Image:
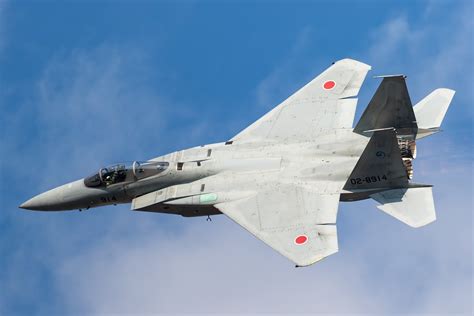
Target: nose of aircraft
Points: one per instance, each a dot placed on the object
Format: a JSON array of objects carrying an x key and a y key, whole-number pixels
[
  {"x": 66, "y": 197},
  {"x": 48, "y": 200}
]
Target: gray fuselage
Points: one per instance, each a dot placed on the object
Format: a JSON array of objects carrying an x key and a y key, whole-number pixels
[{"x": 224, "y": 167}]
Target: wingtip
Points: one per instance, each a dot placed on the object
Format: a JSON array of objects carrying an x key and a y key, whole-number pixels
[
  {"x": 353, "y": 63},
  {"x": 446, "y": 91}
]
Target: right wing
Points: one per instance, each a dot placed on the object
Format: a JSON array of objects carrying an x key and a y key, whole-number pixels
[
  {"x": 318, "y": 107},
  {"x": 297, "y": 222}
]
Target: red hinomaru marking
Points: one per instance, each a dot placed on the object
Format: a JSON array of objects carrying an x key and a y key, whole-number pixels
[
  {"x": 328, "y": 85},
  {"x": 301, "y": 239}
]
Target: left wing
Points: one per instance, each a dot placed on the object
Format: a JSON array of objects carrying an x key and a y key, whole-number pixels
[{"x": 296, "y": 221}]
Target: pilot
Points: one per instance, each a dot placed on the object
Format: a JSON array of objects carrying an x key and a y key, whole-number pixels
[{"x": 108, "y": 179}]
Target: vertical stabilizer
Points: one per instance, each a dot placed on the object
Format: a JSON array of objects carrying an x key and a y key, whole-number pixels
[
  {"x": 390, "y": 107},
  {"x": 380, "y": 165}
]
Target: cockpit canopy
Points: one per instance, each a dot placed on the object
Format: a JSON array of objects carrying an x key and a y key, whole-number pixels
[{"x": 125, "y": 173}]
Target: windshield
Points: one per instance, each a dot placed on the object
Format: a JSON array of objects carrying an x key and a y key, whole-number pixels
[{"x": 125, "y": 173}]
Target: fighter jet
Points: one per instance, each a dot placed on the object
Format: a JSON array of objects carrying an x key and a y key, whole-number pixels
[{"x": 282, "y": 177}]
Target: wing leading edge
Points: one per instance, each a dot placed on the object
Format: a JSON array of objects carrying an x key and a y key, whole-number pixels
[{"x": 319, "y": 106}]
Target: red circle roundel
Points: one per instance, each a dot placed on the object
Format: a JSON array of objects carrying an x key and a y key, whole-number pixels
[
  {"x": 301, "y": 239},
  {"x": 329, "y": 85}
]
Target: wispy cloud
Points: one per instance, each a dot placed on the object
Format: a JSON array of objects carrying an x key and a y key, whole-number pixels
[
  {"x": 212, "y": 267},
  {"x": 98, "y": 100},
  {"x": 281, "y": 79},
  {"x": 82, "y": 112},
  {"x": 434, "y": 55}
]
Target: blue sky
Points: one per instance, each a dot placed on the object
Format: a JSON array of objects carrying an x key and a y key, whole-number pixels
[{"x": 86, "y": 84}]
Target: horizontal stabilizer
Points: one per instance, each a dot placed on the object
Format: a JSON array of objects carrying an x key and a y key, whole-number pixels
[
  {"x": 412, "y": 206},
  {"x": 430, "y": 111}
]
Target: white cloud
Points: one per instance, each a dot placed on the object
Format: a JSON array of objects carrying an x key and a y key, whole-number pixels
[{"x": 212, "y": 267}]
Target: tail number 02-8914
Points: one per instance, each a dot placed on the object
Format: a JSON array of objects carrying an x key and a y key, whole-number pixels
[{"x": 369, "y": 179}]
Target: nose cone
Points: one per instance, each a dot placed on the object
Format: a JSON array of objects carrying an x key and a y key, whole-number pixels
[
  {"x": 46, "y": 201},
  {"x": 66, "y": 197}
]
